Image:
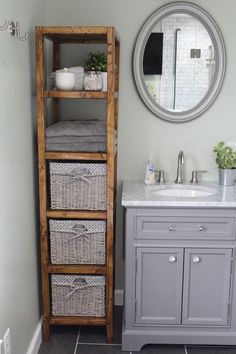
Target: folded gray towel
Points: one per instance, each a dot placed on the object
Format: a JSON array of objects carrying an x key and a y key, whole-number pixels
[
  {"x": 76, "y": 139},
  {"x": 77, "y": 128},
  {"x": 75, "y": 147}
]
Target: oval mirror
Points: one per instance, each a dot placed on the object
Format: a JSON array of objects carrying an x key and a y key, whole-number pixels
[{"x": 179, "y": 61}]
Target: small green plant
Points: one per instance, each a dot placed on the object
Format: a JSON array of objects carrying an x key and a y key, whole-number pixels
[
  {"x": 96, "y": 62},
  {"x": 225, "y": 156}
]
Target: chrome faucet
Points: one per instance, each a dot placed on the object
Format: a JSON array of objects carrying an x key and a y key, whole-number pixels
[{"x": 179, "y": 178}]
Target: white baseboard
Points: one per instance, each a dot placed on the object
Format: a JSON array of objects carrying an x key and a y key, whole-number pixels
[
  {"x": 119, "y": 297},
  {"x": 36, "y": 340}
]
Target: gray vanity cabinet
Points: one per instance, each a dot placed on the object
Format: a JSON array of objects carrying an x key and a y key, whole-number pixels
[{"x": 180, "y": 282}]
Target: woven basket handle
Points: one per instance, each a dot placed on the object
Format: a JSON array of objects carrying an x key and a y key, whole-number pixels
[
  {"x": 81, "y": 173},
  {"x": 78, "y": 281},
  {"x": 78, "y": 284},
  {"x": 79, "y": 231}
]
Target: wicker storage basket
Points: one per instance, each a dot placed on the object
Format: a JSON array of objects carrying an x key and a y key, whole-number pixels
[
  {"x": 74, "y": 295},
  {"x": 77, "y": 241},
  {"x": 78, "y": 185}
]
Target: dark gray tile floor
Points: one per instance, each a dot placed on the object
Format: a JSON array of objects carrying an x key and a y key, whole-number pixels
[
  {"x": 211, "y": 350},
  {"x": 63, "y": 341},
  {"x": 92, "y": 340}
]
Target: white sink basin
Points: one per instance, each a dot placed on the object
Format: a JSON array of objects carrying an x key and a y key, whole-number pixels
[{"x": 187, "y": 191}]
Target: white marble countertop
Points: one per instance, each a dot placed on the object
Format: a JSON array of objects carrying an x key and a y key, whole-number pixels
[{"x": 137, "y": 194}]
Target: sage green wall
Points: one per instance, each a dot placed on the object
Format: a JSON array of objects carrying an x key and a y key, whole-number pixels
[
  {"x": 140, "y": 132},
  {"x": 19, "y": 300}
]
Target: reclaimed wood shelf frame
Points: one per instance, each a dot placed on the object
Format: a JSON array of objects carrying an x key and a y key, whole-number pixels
[{"x": 78, "y": 35}]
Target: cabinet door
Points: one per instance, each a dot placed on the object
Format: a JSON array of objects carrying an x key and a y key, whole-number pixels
[
  {"x": 159, "y": 285},
  {"x": 206, "y": 286}
]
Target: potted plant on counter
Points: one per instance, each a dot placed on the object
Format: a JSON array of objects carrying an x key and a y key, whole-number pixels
[
  {"x": 96, "y": 71},
  {"x": 226, "y": 161}
]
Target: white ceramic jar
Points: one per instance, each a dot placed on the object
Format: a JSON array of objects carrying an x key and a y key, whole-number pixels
[{"x": 65, "y": 80}]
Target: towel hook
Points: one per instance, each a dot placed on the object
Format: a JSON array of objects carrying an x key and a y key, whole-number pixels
[{"x": 14, "y": 29}]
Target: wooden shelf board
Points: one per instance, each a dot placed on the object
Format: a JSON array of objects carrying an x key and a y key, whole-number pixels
[
  {"x": 76, "y": 320},
  {"x": 77, "y": 214},
  {"x": 77, "y": 269},
  {"x": 78, "y": 33},
  {"x": 75, "y": 94},
  {"x": 57, "y": 155}
]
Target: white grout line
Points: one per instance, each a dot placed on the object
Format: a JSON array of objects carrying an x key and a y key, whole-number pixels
[
  {"x": 77, "y": 342},
  {"x": 185, "y": 350}
]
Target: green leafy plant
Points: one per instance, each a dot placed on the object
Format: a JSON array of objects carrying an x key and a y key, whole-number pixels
[
  {"x": 96, "y": 62},
  {"x": 225, "y": 156}
]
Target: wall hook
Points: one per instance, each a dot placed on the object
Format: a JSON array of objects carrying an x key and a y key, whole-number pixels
[{"x": 14, "y": 29}]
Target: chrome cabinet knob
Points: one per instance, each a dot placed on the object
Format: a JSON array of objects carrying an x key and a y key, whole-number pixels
[
  {"x": 202, "y": 228},
  {"x": 172, "y": 259},
  {"x": 196, "y": 259},
  {"x": 171, "y": 228}
]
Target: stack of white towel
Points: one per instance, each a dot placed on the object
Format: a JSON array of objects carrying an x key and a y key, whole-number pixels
[{"x": 77, "y": 135}]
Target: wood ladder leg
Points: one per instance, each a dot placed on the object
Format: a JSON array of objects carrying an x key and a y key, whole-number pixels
[
  {"x": 109, "y": 327},
  {"x": 45, "y": 330}
]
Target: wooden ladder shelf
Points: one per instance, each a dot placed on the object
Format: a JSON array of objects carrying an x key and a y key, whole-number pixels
[{"x": 59, "y": 36}]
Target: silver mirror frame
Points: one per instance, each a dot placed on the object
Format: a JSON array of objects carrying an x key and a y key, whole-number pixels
[{"x": 220, "y": 60}]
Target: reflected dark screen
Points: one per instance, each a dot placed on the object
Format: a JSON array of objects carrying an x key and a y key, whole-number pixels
[{"x": 152, "y": 59}]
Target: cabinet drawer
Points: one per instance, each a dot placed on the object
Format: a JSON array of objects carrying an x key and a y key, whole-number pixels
[{"x": 185, "y": 227}]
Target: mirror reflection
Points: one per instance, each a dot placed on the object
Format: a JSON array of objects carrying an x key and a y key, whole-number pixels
[{"x": 178, "y": 62}]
